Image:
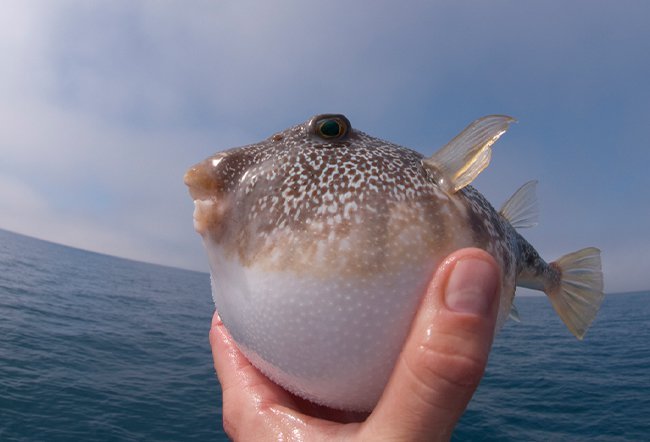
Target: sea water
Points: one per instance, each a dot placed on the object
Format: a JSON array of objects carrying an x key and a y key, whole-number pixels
[{"x": 94, "y": 347}]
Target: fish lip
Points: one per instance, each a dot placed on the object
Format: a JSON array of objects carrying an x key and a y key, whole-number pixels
[
  {"x": 204, "y": 201},
  {"x": 205, "y": 182},
  {"x": 193, "y": 182},
  {"x": 202, "y": 178},
  {"x": 203, "y": 209}
]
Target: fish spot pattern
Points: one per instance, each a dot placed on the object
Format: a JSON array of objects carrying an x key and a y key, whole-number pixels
[{"x": 319, "y": 198}]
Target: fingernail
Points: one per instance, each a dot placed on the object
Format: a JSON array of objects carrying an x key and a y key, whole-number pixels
[{"x": 471, "y": 287}]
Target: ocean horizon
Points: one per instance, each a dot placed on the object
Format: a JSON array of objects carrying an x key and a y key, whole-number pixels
[{"x": 96, "y": 347}]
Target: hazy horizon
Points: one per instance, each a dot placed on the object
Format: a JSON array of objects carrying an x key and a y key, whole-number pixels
[{"x": 520, "y": 291}]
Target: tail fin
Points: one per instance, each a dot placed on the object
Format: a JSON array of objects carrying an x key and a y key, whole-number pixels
[{"x": 578, "y": 295}]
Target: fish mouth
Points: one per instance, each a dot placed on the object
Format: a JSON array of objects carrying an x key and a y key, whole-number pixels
[
  {"x": 201, "y": 184},
  {"x": 204, "y": 215},
  {"x": 202, "y": 178},
  {"x": 206, "y": 190}
]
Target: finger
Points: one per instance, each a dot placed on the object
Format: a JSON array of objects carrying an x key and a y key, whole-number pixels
[
  {"x": 228, "y": 360},
  {"x": 445, "y": 355},
  {"x": 243, "y": 387},
  {"x": 235, "y": 372},
  {"x": 256, "y": 408}
]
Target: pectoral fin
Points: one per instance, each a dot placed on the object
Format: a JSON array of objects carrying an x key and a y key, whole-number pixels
[{"x": 460, "y": 161}]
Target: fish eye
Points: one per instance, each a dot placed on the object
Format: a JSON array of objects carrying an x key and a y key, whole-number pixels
[{"x": 330, "y": 127}]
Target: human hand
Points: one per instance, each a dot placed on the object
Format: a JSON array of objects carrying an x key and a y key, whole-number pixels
[{"x": 435, "y": 376}]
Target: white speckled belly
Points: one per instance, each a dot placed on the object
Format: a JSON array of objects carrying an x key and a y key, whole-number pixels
[{"x": 333, "y": 341}]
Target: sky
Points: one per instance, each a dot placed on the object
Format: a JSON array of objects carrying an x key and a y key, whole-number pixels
[{"x": 105, "y": 104}]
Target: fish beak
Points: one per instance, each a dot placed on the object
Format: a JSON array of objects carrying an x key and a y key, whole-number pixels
[
  {"x": 202, "y": 178},
  {"x": 205, "y": 184}
]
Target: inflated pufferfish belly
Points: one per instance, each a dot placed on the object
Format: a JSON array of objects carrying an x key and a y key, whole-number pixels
[{"x": 322, "y": 239}]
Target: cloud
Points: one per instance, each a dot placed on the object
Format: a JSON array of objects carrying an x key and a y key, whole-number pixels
[
  {"x": 29, "y": 201},
  {"x": 80, "y": 182}
]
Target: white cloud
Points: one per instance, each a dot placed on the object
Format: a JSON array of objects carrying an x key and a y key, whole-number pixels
[{"x": 27, "y": 201}]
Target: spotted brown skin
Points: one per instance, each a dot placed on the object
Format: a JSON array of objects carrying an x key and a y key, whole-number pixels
[{"x": 300, "y": 187}]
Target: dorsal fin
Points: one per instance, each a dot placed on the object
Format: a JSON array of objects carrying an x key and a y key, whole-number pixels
[
  {"x": 460, "y": 161},
  {"x": 521, "y": 208}
]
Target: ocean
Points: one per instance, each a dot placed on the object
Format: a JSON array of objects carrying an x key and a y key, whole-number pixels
[{"x": 94, "y": 347}]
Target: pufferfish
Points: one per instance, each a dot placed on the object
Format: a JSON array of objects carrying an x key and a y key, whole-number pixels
[{"x": 322, "y": 239}]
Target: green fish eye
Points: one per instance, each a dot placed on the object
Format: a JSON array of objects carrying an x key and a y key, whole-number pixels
[
  {"x": 332, "y": 127},
  {"x": 329, "y": 127}
]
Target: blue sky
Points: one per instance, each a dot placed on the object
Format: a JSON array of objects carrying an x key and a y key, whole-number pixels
[{"x": 105, "y": 104}]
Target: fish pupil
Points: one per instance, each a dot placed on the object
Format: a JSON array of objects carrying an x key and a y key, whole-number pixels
[{"x": 330, "y": 128}]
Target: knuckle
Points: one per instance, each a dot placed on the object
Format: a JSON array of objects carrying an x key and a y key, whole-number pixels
[
  {"x": 245, "y": 420},
  {"x": 232, "y": 413},
  {"x": 441, "y": 364},
  {"x": 230, "y": 422}
]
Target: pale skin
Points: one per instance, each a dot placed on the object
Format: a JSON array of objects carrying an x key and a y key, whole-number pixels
[{"x": 436, "y": 374}]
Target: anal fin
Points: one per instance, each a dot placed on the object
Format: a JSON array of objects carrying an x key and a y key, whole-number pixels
[{"x": 514, "y": 313}]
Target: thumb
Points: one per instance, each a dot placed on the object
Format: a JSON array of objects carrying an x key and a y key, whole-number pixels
[{"x": 444, "y": 357}]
